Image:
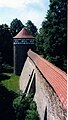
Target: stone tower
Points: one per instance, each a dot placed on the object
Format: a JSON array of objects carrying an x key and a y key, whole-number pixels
[{"x": 22, "y": 42}]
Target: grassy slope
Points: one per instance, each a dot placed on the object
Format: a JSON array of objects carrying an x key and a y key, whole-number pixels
[
  {"x": 9, "y": 85},
  {"x": 12, "y": 83}
]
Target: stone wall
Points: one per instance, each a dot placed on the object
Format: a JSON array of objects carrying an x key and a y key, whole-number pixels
[
  {"x": 48, "y": 103},
  {"x": 49, "y": 106}
]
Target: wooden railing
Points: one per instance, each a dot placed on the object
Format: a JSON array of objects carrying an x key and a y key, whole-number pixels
[{"x": 55, "y": 76}]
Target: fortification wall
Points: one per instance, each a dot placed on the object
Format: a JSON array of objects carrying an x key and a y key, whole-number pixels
[{"x": 49, "y": 104}]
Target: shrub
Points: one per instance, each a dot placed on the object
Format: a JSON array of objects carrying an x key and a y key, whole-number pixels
[
  {"x": 32, "y": 113},
  {"x": 25, "y": 108}
]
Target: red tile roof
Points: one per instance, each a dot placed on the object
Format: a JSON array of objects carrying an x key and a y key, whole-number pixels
[
  {"x": 23, "y": 34},
  {"x": 55, "y": 76}
]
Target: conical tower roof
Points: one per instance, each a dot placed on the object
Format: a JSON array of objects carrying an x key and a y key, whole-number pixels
[{"x": 23, "y": 34}]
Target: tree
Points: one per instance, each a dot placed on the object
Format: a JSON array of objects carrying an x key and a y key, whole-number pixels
[
  {"x": 32, "y": 113},
  {"x": 25, "y": 108},
  {"x": 31, "y": 27},
  {"x": 53, "y": 32},
  {"x": 6, "y": 44},
  {"x": 0, "y": 63},
  {"x": 15, "y": 26},
  {"x": 39, "y": 42}
]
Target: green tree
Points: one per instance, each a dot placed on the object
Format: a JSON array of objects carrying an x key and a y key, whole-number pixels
[
  {"x": 0, "y": 63},
  {"x": 6, "y": 44},
  {"x": 53, "y": 33},
  {"x": 25, "y": 108},
  {"x": 31, "y": 27},
  {"x": 39, "y": 42},
  {"x": 32, "y": 113},
  {"x": 15, "y": 26}
]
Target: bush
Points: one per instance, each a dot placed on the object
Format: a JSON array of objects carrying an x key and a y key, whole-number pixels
[
  {"x": 25, "y": 108},
  {"x": 32, "y": 113}
]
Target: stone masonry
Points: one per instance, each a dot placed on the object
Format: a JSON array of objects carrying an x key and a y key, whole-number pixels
[{"x": 48, "y": 103}]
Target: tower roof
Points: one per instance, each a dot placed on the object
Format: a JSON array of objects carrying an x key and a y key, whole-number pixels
[{"x": 23, "y": 34}]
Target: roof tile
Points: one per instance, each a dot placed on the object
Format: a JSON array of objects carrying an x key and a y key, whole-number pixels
[
  {"x": 23, "y": 34},
  {"x": 55, "y": 76}
]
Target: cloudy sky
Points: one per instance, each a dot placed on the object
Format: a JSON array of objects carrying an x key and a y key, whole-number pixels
[{"x": 34, "y": 10}]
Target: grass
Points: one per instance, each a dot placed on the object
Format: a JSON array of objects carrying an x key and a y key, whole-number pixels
[
  {"x": 11, "y": 81},
  {"x": 9, "y": 85}
]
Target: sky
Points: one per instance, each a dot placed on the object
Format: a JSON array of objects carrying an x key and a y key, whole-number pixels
[{"x": 24, "y": 10}]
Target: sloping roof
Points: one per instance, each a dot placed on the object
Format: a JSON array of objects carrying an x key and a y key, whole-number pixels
[
  {"x": 55, "y": 76},
  {"x": 23, "y": 34}
]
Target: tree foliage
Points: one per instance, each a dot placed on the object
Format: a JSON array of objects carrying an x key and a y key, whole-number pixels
[
  {"x": 52, "y": 36},
  {"x": 32, "y": 113},
  {"x": 25, "y": 108},
  {"x": 31, "y": 27},
  {"x": 15, "y": 26},
  {"x": 0, "y": 63},
  {"x": 6, "y": 43}
]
